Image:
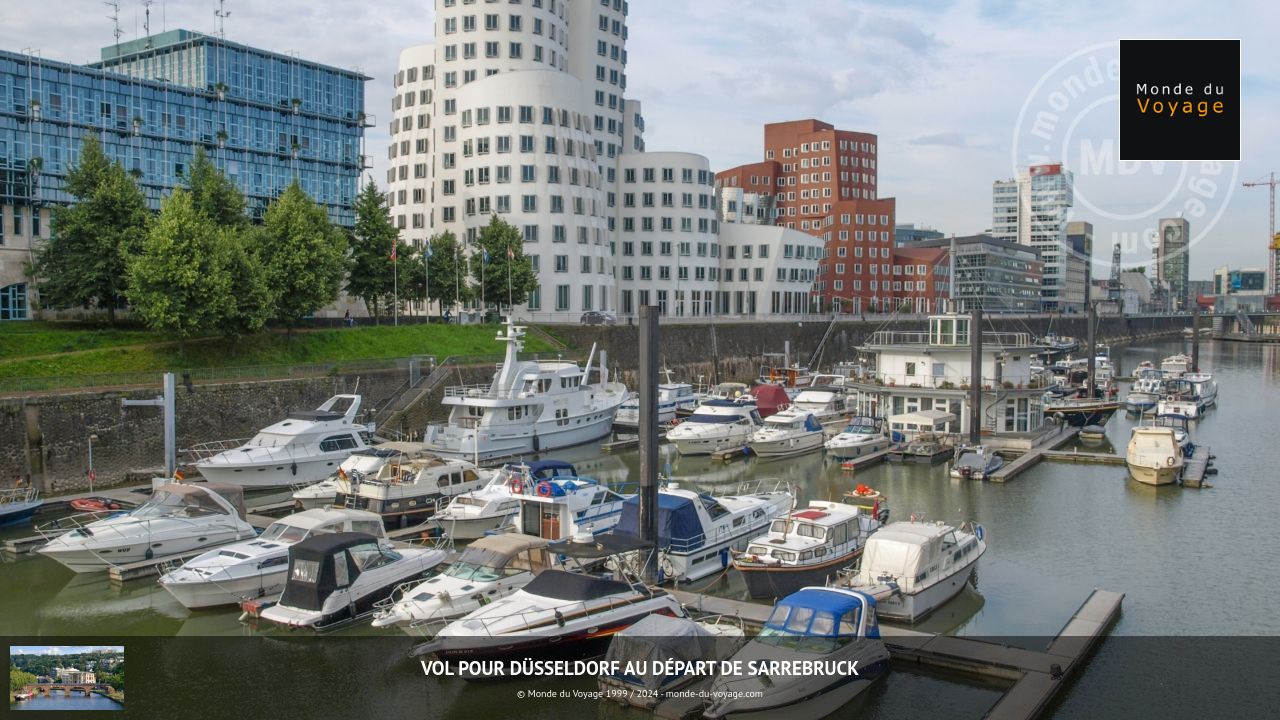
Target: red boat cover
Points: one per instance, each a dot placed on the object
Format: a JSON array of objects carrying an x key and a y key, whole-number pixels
[{"x": 770, "y": 399}]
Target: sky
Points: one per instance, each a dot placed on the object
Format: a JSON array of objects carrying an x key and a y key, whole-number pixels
[
  {"x": 61, "y": 649},
  {"x": 950, "y": 87}
]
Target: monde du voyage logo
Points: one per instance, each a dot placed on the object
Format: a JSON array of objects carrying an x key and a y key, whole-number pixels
[{"x": 1180, "y": 99}]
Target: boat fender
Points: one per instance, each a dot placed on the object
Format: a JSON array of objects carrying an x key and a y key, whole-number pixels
[
  {"x": 559, "y": 618},
  {"x": 148, "y": 554},
  {"x": 293, "y": 467},
  {"x": 544, "y": 489},
  {"x": 979, "y": 532},
  {"x": 1170, "y": 460},
  {"x": 724, "y": 557},
  {"x": 536, "y": 444}
]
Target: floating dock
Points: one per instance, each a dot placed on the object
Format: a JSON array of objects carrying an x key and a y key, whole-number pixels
[
  {"x": 1031, "y": 457},
  {"x": 626, "y": 443},
  {"x": 1035, "y": 676},
  {"x": 1197, "y": 467}
]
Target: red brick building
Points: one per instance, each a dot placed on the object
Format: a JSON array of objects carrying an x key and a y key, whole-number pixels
[{"x": 823, "y": 181}]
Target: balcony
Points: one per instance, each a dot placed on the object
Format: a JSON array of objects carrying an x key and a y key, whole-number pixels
[{"x": 921, "y": 338}]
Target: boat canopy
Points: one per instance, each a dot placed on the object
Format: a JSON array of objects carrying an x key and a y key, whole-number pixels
[
  {"x": 770, "y": 398},
  {"x": 221, "y": 498},
  {"x": 658, "y": 639},
  {"x": 822, "y": 612},
  {"x": 562, "y": 585},
  {"x": 544, "y": 469},
  {"x": 321, "y": 564},
  {"x": 678, "y": 522},
  {"x": 521, "y": 552}
]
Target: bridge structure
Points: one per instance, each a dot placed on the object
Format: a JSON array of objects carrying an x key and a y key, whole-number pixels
[{"x": 66, "y": 688}]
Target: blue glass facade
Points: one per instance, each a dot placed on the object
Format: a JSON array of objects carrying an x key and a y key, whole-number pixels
[{"x": 264, "y": 118}]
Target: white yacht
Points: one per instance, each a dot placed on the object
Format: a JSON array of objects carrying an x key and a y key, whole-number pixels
[
  {"x": 305, "y": 447},
  {"x": 975, "y": 462},
  {"x": 862, "y": 436},
  {"x": 258, "y": 567},
  {"x": 716, "y": 425},
  {"x": 1183, "y": 398},
  {"x": 336, "y": 578},
  {"x": 790, "y": 432},
  {"x": 490, "y": 568},
  {"x": 1175, "y": 365},
  {"x": 912, "y": 568},
  {"x": 729, "y": 391},
  {"x": 362, "y": 463},
  {"x": 568, "y": 615},
  {"x": 554, "y": 503},
  {"x": 673, "y": 398},
  {"x": 836, "y": 627},
  {"x": 473, "y": 514},
  {"x": 828, "y": 403},
  {"x": 531, "y": 406},
  {"x": 1146, "y": 391},
  {"x": 698, "y": 532},
  {"x": 806, "y": 547},
  {"x": 1203, "y": 387},
  {"x": 1154, "y": 456},
  {"x": 408, "y": 492},
  {"x": 179, "y": 518}
]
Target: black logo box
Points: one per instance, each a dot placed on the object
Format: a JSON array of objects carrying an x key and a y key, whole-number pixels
[{"x": 1186, "y": 69}]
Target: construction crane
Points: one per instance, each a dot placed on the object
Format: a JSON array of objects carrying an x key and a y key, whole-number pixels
[{"x": 1273, "y": 246}]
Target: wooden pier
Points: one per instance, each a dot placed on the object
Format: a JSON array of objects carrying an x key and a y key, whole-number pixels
[
  {"x": 1031, "y": 457},
  {"x": 1197, "y": 467},
  {"x": 1036, "y": 676},
  {"x": 863, "y": 461},
  {"x": 731, "y": 454}
]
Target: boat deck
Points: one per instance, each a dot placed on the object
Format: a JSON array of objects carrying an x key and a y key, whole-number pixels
[{"x": 1036, "y": 676}]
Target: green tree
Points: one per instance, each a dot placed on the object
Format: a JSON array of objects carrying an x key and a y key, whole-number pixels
[
  {"x": 18, "y": 678},
  {"x": 213, "y": 194},
  {"x": 504, "y": 247},
  {"x": 84, "y": 262},
  {"x": 304, "y": 255},
  {"x": 447, "y": 269},
  {"x": 371, "y": 275},
  {"x": 179, "y": 283},
  {"x": 252, "y": 301}
]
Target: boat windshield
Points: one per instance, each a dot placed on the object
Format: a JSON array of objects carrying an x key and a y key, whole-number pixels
[
  {"x": 861, "y": 429},
  {"x": 266, "y": 439},
  {"x": 481, "y": 565},
  {"x": 283, "y": 532},
  {"x": 709, "y": 419},
  {"x": 167, "y": 504},
  {"x": 808, "y": 630}
]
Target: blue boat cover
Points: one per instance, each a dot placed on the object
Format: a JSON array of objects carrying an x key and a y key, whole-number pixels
[
  {"x": 543, "y": 469},
  {"x": 677, "y": 519},
  {"x": 811, "y": 424},
  {"x": 798, "y": 612}
]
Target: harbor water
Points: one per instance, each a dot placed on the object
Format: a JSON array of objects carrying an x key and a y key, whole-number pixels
[
  {"x": 1054, "y": 534},
  {"x": 59, "y": 701}
]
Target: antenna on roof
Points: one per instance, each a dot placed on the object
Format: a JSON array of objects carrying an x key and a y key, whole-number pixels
[
  {"x": 223, "y": 13},
  {"x": 114, "y": 17},
  {"x": 146, "y": 20}
]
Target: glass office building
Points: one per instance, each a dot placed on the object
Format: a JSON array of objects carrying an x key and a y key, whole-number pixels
[{"x": 264, "y": 118}]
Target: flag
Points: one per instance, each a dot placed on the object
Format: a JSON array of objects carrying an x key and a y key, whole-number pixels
[
  {"x": 393, "y": 254},
  {"x": 177, "y": 475},
  {"x": 511, "y": 254},
  {"x": 427, "y": 249},
  {"x": 486, "y": 257}
]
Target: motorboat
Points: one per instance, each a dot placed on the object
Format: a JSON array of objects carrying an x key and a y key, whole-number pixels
[
  {"x": 790, "y": 432},
  {"x": 836, "y": 627},
  {"x": 336, "y": 578},
  {"x": 828, "y": 403},
  {"x": 1058, "y": 345},
  {"x": 258, "y": 567},
  {"x": 1145, "y": 392},
  {"x": 1153, "y": 456},
  {"x": 1175, "y": 365},
  {"x": 673, "y": 399},
  {"x": 492, "y": 507},
  {"x": 178, "y": 518},
  {"x": 659, "y": 643},
  {"x": 806, "y": 547},
  {"x": 912, "y": 568},
  {"x": 717, "y": 425},
  {"x": 698, "y": 532},
  {"x": 862, "y": 436},
  {"x": 1182, "y": 399},
  {"x": 305, "y": 447},
  {"x": 565, "y": 614},
  {"x": 1203, "y": 388},
  {"x": 405, "y": 493},
  {"x": 975, "y": 462},
  {"x": 18, "y": 504},
  {"x": 362, "y": 463},
  {"x": 488, "y": 569},
  {"x": 729, "y": 391},
  {"x": 555, "y": 503},
  {"x": 530, "y": 406},
  {"x": 926, "y": 447},
  {"x": 792, "y": 378},
  {"x": 1079, "y": 412},
  {"x": 1181, "y": 431}
]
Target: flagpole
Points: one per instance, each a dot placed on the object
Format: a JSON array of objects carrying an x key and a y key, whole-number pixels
[
  {"x": 426, "y": 278},
  {"x": 483, "y": 262},
  {"x": 457, "y": 282},
  {"x": 510, "y": 259}
]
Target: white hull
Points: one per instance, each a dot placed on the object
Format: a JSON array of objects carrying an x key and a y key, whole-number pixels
[
  {"x": 98, "y": 558},
  {"x": 277, "y": 473},
  {"x": 213, "y": 593},
  {"x": 707, "y": 443},
  {"x": 505, "y": 443},
  {"x": 914, "y": 606},
  {"x": 822, "y": 706},
  {"x": 1190, "y": 408},
  {"x": 470, "y": 528},
  {"x": 858, "y": 449},
  {"x": 793, "y": 445},
  {"x": 1156, "y": 475}
]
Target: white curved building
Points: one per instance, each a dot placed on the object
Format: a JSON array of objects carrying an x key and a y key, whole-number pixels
[{"x": 411, "y": 168}]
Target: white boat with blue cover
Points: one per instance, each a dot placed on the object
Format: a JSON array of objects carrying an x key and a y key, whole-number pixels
[
  {"x": 836, "y": 627},
  {"x": 862, "y": 436},
  {"x": 555, "y": 503},
  {"x": 717, "y": 425},
  {"x": 789, "y": 432}
]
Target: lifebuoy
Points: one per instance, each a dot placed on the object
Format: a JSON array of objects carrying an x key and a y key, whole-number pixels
[
  {"x": 1171, "y": 460},
  {"x": 1170, "y": 398},
  {"x": 516, "y": 485},
  {"x": 543, "y": 489}
]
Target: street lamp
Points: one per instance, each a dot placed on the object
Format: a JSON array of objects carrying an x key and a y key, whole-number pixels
[{"x": 92, "y": 437}]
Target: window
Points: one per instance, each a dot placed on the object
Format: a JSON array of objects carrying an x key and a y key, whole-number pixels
[{"x": 562, "y": 297}]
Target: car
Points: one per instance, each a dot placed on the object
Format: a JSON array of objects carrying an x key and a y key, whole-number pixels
[{"x": 598, "y": 317}]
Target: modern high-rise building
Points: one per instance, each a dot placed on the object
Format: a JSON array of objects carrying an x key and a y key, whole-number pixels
[
  {"x": 992, "y": 274},
  {"x": 1173, "y": 260},
  {"x": 822, "y": 181},
  {"x": 905, "y": 234},
  {"x": 1080, "y": 242},
  {"x": 1032, "y": 209},
  {"x": 264, "y": 118}
]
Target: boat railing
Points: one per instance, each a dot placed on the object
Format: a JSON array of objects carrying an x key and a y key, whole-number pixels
[
  {"x": 19, "y": 495},
  {"x": 478, "y": 390},
  {"x": 81, "y": 521},
  {"x": 205, "y": 450}
]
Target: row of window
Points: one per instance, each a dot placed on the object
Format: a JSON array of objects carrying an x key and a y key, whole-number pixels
[
  {"x": 649, "y": 175},
  {"x": 667, "y": 224}
]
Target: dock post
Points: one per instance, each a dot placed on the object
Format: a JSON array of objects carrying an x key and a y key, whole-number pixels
[
  {"x": 1091, "y": 318},
  {"x": 975, "y": 370},
  {"x": 170, "y": 427},
  {"x": 1195, "y": 337},
  {"x": 648, "y": 377}
]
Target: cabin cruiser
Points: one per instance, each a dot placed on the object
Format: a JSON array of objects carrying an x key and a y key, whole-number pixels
[
  {"x": 673, "y": 399},
  {"x": 862, "y": 436},
  {"x": 792, "y": 378},
  {"x": 975, "y": 462},
  {"x": 305, "y": 447},
  {"x": 828, "y": 403},
  {"x": 652, "y": 644},
  {"x": 1175, "y": 365},
  {"x": 531, "y": 406},
  {"x": 410, "y": 492},
  {"x": 179, "y": 518},
  {"x": 18, "y": 504},
  {"x": 1080, "y": 411},
  {"x": 555, "y": 503},
  {"x": 1058, "y": 345},
  {"x": 258, "y": 567},
  {"x": 729, "y": 391},
  {"x": 1145, "y": 392},
  {"x": 790, "y": 432},
  {"x": 473, "y": 514},
  {"x": 1153, "y": 456},
  {"x": 488, "y": 569},
  {"x": 715, "y": 426},
  {"x": 361, "y": 464},
  {"x": 837, "y": 627},
  {"x": 569, "y": 615},
  {"x": 806, "y": 547},
  {"x": 697, "y": 532},
  {"x": 1181, "y": 397},
  {"x": 1203, "y": 387},
  {"x": 912, "y": 568},
  {"x": 335, "y": 578}
]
